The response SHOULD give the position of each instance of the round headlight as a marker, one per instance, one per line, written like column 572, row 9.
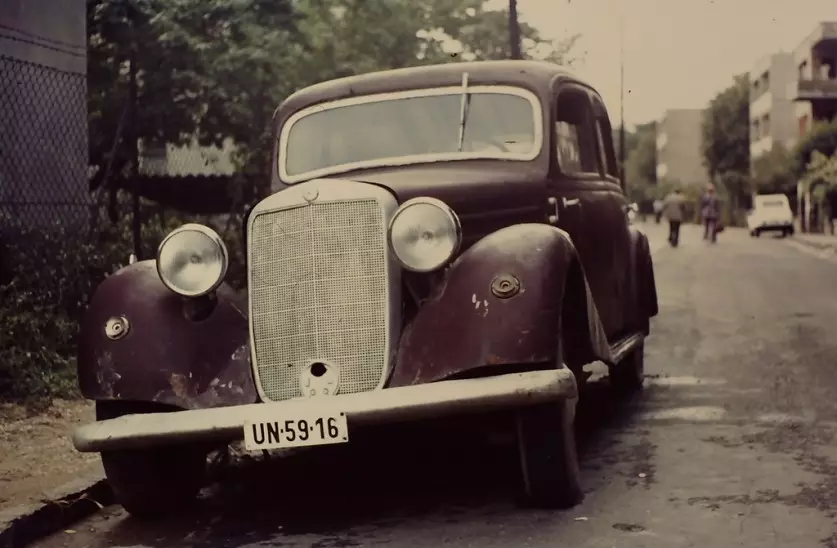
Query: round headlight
column 192, row 260
column 424, row 234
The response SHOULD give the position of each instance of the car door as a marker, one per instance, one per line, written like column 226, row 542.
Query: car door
column 588, row 200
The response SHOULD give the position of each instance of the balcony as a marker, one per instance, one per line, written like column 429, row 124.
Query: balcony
column 813, row 90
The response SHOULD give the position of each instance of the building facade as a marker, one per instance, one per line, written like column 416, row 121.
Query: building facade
column 771, row 108
column 814, row 90
column 678, row 147
column 43, row 113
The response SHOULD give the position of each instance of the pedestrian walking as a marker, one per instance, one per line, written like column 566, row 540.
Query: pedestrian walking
column 710, row 211
column 673, row 209
column 658, row 210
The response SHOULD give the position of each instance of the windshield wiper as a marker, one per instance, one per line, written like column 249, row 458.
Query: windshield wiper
column 463, row 110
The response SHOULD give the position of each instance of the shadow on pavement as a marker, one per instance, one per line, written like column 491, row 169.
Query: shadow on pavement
column 388, row 476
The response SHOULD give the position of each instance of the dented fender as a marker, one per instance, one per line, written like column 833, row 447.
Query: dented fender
column 465, row 325
column 164, row 357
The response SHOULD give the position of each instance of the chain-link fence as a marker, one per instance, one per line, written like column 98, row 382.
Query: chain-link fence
column 44, row 228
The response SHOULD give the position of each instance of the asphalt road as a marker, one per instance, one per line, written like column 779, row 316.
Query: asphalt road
column 731, row 444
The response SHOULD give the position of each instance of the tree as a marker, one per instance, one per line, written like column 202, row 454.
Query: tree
column 726, row 142
column 822, row 138
column 725, row 130
column 641, row 161
column 773, row 171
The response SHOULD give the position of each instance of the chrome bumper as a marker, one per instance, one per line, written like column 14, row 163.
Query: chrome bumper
column 427, row 401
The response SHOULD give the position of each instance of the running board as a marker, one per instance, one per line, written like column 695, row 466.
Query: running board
column 623, row 347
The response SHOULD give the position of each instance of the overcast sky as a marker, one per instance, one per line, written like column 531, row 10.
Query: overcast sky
column 678, row 53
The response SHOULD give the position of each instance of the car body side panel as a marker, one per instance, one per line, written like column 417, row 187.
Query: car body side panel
column 164, row 357
column 464, row 326
column 642, row 306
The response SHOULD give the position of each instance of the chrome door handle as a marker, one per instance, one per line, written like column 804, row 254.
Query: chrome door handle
column 572, row 202
column 553, row 201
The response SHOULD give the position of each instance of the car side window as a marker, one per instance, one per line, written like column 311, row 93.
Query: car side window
column 604, row 133
column 575, row 137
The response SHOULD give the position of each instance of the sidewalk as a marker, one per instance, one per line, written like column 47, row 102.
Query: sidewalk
column 818, row 241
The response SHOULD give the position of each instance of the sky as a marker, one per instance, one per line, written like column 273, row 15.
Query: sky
column 678, row 53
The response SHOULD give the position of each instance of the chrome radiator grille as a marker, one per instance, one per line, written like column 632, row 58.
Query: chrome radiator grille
column 318, row 292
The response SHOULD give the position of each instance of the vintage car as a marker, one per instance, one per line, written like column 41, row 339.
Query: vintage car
column 439, row 242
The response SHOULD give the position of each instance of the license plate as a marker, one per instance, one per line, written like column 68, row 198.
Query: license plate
column 296, row 431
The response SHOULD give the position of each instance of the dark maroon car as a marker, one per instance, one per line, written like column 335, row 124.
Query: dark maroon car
column 440, row 241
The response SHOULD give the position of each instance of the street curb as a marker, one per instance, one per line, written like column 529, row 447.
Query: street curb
column 815, row 243
column 61, row 507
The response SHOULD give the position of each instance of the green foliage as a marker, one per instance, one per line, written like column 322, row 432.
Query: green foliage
column 773, row 171
column 822, row 138
column 725, row 143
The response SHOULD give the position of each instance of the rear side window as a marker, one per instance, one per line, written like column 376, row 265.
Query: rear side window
column 575, row 133
column 605, row 135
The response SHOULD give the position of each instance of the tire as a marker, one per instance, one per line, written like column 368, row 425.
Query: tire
column 757, row 233
column 628, row 376
column 549, row 472
column 752, row 234
column 156, row 482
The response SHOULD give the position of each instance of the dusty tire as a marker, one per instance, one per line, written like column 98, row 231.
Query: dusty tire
column 549, row 470
column 155, row 482
column 628, row 377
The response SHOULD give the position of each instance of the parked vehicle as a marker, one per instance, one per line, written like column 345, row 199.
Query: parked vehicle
column 439, row 242
column 770, row 213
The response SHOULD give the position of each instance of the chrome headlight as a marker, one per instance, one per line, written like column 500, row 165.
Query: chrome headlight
column 192, row 260
column 424, row 234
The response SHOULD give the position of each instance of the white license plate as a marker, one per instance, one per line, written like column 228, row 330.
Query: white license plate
column 296, row 431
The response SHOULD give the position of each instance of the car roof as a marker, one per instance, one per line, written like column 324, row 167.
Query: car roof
column 537, row 76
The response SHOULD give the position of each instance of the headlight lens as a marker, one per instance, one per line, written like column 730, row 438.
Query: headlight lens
column 192, row 260
column 424, row 234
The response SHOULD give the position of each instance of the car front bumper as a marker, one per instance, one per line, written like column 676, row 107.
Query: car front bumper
column 427, row 401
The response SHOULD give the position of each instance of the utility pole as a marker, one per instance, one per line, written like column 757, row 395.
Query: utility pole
column 514, row 31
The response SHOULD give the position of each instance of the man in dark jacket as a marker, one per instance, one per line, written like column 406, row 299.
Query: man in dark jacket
column 673, row 207
column 710, row 211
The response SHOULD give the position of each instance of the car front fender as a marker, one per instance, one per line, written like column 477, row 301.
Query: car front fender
column 465, row 325
column 163, row 356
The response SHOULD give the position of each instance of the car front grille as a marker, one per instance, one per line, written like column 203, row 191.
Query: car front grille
column 319, row 292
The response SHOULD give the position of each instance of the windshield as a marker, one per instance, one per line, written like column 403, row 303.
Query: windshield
column 409, row 128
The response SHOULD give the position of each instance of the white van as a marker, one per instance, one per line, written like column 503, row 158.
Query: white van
column 770, row 213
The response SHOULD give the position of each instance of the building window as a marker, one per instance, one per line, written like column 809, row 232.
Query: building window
column 756, row 132
column 766, row 80
column 765, row 125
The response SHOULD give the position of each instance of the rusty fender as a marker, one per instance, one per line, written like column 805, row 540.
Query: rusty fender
column 163, row 357
column 479, row 317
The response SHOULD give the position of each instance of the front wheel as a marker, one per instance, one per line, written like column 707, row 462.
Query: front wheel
column 154, row 482
column 550, row 476
column 628, row 375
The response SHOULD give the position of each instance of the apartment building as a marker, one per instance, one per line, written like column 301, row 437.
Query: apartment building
column 814, row 89
column 678, row 146
column 772, row 118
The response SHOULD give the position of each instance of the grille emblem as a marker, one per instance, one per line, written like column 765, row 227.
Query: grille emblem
column 311, row 195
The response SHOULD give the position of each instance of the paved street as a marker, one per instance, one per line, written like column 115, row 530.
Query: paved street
column 732, row 443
